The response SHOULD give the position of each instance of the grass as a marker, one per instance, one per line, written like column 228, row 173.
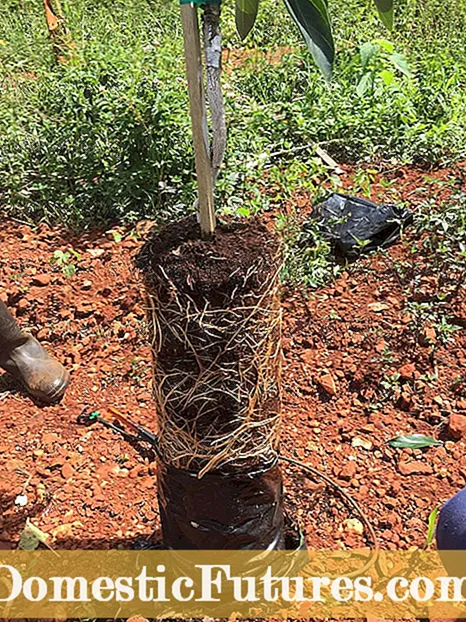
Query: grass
column 105, row 137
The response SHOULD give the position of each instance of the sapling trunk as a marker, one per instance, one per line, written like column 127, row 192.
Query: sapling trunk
column 213, row 61
column 197, row 106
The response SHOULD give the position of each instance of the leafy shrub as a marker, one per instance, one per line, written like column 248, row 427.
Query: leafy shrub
column 106, row 136
column 102, row 137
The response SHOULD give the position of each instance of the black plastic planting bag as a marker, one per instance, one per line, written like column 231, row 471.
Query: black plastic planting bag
column 354, row 226
column 221, row 511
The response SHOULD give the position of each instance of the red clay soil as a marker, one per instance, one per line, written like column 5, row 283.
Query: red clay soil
column 233, row 58
column 89, row 488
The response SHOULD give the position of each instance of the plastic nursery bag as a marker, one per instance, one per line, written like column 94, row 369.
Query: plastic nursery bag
column 354, row 226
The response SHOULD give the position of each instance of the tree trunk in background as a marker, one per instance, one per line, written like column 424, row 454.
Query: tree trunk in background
column 58, row 31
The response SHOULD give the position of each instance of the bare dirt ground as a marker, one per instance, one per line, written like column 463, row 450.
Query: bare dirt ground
column 359, row 370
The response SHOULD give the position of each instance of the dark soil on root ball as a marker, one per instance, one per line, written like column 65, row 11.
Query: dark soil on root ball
column 216, row 269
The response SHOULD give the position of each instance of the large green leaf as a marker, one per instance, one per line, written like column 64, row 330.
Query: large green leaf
column 414, row 441
column 312, row 19
column 385, row 8
column 246, row 13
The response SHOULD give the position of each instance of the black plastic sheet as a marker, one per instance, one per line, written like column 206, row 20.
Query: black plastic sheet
column 354, row 226
column 221, row 511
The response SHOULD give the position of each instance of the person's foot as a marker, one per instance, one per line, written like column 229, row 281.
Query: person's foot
column 42, row 375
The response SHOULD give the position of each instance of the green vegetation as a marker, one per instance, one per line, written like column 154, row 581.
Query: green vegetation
column 105, row 137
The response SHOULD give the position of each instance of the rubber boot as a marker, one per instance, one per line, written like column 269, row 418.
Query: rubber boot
column 23, row 357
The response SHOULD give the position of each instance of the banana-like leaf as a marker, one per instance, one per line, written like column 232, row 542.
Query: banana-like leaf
column 246, row 13
column 385, row 9
column 312, row 19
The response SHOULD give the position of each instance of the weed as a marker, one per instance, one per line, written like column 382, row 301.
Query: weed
column 431, row 528
column 308, row 255
column 445, row 330
column 379, row 63
column 63, row 259
column 390, row 385
column 116, row 235
column 387, row 355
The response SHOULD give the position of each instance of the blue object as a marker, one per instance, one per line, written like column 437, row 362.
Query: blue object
column 451, row 525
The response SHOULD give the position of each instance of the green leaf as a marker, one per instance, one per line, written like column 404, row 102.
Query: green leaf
column 388, row 46
column 364, row 84
column 246, row 13
column 367, row 53
column 387, row 76
column 401, row 64
column 245, row 212
column 385, row 9
column 414, row 441
column 31, row 537
column 68, row 270
column 312, row 19
column 431, row 527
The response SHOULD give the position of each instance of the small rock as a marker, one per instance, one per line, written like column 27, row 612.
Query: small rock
column 377, row 306
column 348, row 471
column 139, row 470
column 67, row 471
column 461, row 404
column 361, row 442
column 415, row 468
column 83, row 309
column 66, row 530
column 86, row 285
column 41, row 280
column 22, row 305
column 405, row 400
column 381, row 345
column 96, row 252
column 428, row 336
column 49, row 438
column 107, row 470
column 438, row 400
column 21, row 500
column 407, row 371
column 354, row 525
column 328, row 384
column 457, row 425
column 43, row 334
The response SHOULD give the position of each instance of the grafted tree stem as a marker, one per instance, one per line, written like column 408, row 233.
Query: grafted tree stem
column 213, row 62
column 197, row 106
